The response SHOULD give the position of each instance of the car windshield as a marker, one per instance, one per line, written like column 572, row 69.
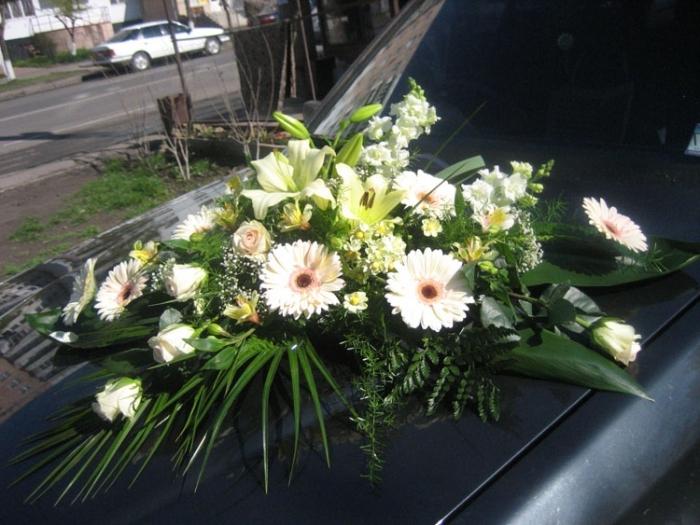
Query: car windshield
column 124, row 35
column 612, row 73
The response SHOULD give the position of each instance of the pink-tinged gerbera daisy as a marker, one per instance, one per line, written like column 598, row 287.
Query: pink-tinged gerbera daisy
column 301, row 278
column 426, row 290
column 614, row 225
column 124, row 283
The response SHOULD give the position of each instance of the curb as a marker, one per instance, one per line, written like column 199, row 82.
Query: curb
column 16, row 179
column 46, row 86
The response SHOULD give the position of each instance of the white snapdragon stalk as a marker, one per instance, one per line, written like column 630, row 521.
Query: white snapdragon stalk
column 378, row 127
column 617, row 338
column 119, row 396
column 183, row 281
column 170, row 342
column 252, row 239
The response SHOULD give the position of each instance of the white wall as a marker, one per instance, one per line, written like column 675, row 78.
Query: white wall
column 43, row 19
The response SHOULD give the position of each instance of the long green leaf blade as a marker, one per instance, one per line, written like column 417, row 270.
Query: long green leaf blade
column 296, row 404
column 313, row 391
column 271, row 372
column 547, row 355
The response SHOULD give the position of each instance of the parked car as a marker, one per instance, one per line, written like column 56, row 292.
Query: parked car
column 139, row 45
column 560, row 453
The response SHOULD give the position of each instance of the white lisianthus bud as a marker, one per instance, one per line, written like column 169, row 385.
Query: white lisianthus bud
column 119, row 396
column 252, row 239
column 183, row 281
column 616, row 338
column 170, row 342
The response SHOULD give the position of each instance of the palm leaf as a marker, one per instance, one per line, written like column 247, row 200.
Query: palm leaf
column 313, row 391
column 296, row 403
column 265, row 411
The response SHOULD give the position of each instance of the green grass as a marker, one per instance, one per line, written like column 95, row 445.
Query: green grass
column 125, row 189
column 63, row 57
column 19, row 83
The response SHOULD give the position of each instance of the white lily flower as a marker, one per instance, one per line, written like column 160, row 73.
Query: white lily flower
column 366, row 201
column 296, row 177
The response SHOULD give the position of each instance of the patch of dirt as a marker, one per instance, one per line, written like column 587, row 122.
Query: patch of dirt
column 40, row 200
column 43, row 199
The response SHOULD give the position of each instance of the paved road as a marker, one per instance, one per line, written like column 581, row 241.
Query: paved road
column 90, row 116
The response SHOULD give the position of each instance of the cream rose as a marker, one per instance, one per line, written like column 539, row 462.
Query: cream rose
column 183, row 281
column 252, row 239
column 170, row 342
column 119, row 396
column 617, row 339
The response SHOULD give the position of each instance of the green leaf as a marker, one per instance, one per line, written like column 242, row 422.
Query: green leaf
column 177, row 244
column 316, row 360
column 265, row 413
column 223, row 359
column 313, row 391
column 561, row 312
column 581, row 301
column 572, row 256
column 208, row 344
column 168, row 317
column 251, row 369
column 546, row 355
column 494, row 313
column 126, row 363
column 296, row 404
column 458, row 172
column 44, row 322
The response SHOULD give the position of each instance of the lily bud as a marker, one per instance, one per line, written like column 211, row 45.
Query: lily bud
column 350, row 152
column 365, row 113
column 291, row 125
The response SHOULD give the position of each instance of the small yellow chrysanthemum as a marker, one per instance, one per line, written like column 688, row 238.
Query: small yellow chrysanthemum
column 355, row 302
column 431, row 227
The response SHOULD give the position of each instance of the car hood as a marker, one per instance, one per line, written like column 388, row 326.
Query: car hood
column 550, row 450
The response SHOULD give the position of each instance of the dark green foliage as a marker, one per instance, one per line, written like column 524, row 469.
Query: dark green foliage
column 455, row 370
column 378, row 413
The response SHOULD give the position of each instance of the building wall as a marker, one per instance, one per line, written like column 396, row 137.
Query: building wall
column 85, row 36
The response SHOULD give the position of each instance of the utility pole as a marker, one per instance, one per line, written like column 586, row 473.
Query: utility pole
column 169, row 17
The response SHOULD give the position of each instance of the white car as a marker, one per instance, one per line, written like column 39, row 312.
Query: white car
column 138, row 45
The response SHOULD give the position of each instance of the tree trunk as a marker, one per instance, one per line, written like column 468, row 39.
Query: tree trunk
column 5, row 55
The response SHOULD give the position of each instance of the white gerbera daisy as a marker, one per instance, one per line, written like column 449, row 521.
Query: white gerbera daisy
column 614, row 225
column 200, row 222
column 84, row 288
column 428, row 195
column 124, row 283
column 301, row 278
column 426, row 290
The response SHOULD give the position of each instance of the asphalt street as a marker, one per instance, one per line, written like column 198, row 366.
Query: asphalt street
column 105, row 110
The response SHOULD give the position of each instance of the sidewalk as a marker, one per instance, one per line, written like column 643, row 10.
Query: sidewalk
column 37, row 79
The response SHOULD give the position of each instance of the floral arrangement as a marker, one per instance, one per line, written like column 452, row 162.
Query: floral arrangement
column 429, row 285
